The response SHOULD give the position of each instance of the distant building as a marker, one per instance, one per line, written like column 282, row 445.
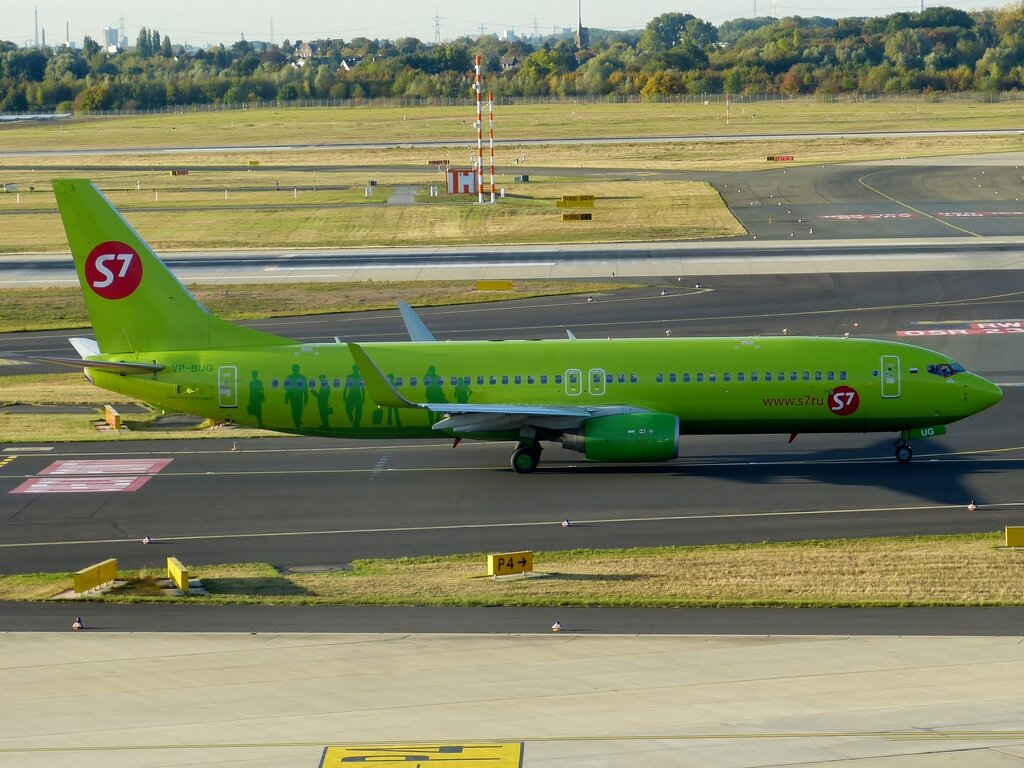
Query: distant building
column 110, row 38
column 509, row 61
column 509, row 36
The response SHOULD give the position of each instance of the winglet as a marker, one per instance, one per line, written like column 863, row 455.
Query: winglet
column 381, row 391
column 572, row 336
column 417, row 330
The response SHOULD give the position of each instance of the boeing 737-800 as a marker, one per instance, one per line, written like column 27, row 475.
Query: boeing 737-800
column 624, row 400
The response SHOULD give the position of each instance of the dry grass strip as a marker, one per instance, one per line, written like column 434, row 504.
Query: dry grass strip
column 936, row 570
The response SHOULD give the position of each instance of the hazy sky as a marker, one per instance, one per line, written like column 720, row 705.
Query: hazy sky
column 207, row 21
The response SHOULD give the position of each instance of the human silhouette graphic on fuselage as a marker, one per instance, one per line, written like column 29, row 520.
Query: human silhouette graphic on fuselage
column 354, row 396
column 256, row 398
column 296, row 395
column 323, row 401
column 434, row 391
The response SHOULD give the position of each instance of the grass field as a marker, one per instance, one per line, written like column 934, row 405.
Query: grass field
column 411, row 124
column 939, row 570
column 625, row 211
column 316, row 198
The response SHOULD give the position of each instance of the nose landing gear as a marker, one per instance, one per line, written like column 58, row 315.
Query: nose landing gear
column 903, row 451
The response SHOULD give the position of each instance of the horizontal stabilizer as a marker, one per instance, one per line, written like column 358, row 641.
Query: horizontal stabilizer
column 129, row 369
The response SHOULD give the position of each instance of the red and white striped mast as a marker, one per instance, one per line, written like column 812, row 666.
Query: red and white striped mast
column 490, row 116
column 478, row 85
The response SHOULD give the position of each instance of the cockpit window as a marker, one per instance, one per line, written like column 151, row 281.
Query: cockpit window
column 945, row 370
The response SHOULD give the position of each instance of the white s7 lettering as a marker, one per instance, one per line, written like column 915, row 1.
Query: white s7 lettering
column 841, row 400
column 101, row 267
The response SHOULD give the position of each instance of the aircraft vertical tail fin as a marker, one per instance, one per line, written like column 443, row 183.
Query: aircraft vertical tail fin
column 134, row 301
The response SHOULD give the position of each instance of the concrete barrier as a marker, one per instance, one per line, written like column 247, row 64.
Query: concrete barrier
column 113, row 417
column 177, row 573
column 95, row 575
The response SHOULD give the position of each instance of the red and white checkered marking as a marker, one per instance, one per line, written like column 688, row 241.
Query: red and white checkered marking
column 106, row 467
column 82, row 484
column 93, row 476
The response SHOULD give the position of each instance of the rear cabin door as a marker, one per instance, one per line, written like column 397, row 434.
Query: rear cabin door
column 890, row 376
column 227, row 386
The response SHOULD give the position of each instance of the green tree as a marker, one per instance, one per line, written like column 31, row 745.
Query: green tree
column 664, row 32
column 143, row 44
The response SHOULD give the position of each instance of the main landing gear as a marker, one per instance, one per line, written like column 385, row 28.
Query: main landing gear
column 525, row 458
column 903, row 452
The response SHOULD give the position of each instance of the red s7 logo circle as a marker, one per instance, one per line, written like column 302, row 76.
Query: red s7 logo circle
column 113, row 270
column 843, row 400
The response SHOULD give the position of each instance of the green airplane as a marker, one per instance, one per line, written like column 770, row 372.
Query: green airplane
column 624, row 400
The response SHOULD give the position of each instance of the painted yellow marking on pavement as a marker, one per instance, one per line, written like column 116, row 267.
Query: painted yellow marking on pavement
column 6, row 361
column 912, row 208
column 7, row 460
column 472, row 755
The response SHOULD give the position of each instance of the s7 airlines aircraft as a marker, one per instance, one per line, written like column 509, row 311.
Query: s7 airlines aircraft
column 618, row 401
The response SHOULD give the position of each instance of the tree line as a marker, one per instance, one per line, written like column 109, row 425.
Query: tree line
column 938, row 49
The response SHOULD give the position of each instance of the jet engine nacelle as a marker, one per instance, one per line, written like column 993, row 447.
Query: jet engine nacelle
column 626, row 437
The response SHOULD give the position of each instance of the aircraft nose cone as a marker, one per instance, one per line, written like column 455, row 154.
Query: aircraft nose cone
column 985, row 394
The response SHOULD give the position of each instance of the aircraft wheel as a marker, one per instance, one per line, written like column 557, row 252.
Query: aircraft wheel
column 904, row 454
column 525, row 459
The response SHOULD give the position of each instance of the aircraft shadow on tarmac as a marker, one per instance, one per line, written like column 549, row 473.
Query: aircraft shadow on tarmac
column 941, row 481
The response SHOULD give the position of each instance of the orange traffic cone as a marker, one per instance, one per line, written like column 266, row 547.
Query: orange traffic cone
column 556, row 627
column 566, row 524
column 77, row 625
column 972, row 507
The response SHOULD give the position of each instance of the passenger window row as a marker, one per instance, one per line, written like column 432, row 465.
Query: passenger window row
column 574, row 378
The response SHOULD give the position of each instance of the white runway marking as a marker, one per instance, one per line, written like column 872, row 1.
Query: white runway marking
column 524, row 524
column 122, row 484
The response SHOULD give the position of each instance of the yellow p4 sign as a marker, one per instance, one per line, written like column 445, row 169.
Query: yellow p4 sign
column 509, row 563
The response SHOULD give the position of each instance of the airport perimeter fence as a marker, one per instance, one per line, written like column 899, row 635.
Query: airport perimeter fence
column 934, row 97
